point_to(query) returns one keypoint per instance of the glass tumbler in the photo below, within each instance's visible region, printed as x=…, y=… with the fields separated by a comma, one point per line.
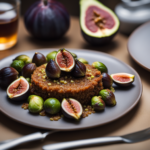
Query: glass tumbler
x=9, y=17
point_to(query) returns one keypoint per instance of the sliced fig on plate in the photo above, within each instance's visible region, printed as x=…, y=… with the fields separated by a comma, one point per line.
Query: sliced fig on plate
x=98, y=23
x=65, y=60
x=18, y=90
x=122, y=79
x=71, y=108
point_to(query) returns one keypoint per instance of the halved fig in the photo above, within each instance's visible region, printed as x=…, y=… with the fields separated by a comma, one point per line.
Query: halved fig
x=19, y=89
x=122, y=79
x=65, y=60
x=71, y=108
x=98, y=23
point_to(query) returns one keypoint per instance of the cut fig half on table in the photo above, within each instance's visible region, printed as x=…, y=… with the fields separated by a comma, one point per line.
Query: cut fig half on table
x=98, y=23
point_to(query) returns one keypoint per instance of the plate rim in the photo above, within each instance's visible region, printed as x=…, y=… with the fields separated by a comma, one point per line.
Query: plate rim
x=81, y=128
x=129, y=50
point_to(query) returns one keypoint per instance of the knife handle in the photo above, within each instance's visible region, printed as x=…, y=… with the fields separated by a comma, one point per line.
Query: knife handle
x=81, y=143
x=24, y=139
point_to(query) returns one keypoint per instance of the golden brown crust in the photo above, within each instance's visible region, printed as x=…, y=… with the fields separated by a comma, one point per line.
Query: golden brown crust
x=82, y=89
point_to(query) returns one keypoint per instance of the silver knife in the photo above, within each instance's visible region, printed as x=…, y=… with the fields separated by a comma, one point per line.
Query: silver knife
x=129, y=138
x=28, y=138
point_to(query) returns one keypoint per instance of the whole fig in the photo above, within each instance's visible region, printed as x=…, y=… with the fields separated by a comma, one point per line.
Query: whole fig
x=107, y=81
x=7, y=76
x=28, y=69
x=79, y=69
x=39, y=59
x=52, y=70
x=47, y=19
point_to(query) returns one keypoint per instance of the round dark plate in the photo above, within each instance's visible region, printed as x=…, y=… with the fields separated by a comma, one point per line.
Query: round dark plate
x=126, y=98
x=139, y=45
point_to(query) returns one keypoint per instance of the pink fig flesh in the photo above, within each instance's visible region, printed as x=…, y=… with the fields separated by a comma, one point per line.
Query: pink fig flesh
x=18, y=87
x=64, y=60
x=72, y=108
x=122, y=78
x=97, y=18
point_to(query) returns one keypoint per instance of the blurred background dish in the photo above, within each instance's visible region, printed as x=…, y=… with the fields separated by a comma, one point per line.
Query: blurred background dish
x=132, y=14
x=139, y=46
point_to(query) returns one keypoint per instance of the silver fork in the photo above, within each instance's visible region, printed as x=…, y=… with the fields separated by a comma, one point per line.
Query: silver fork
x=4, y=145
x=129, y=138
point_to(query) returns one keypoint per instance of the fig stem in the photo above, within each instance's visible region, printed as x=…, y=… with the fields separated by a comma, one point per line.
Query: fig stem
x=45, y=2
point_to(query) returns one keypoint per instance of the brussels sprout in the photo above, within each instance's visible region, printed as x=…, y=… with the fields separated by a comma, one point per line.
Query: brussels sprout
x=83, y=60
x=52, y=106
x=51, y=55
x=97, y=103
x=108, y=97
x=100, y=66
x=24, y=58
x=18, y=65
x=29, y=80
x=74, y=55
x=35, y=103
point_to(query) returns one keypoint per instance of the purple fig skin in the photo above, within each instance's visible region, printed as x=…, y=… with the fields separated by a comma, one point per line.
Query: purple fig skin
x=28, y=69
x=107, y=81
x=7, y=76
x=98, y=41
x=47, y=19
x=79, y=69
x=39, y=59
x=52, y=70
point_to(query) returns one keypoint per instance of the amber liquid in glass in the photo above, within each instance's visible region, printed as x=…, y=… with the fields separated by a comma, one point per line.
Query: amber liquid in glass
x=8, y=27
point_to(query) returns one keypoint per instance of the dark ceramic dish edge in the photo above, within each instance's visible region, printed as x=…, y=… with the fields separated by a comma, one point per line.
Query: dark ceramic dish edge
x=129, y=49
x=81, y=128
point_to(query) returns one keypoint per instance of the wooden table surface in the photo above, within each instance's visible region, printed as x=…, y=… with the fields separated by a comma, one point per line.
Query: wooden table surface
x=137, y=119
